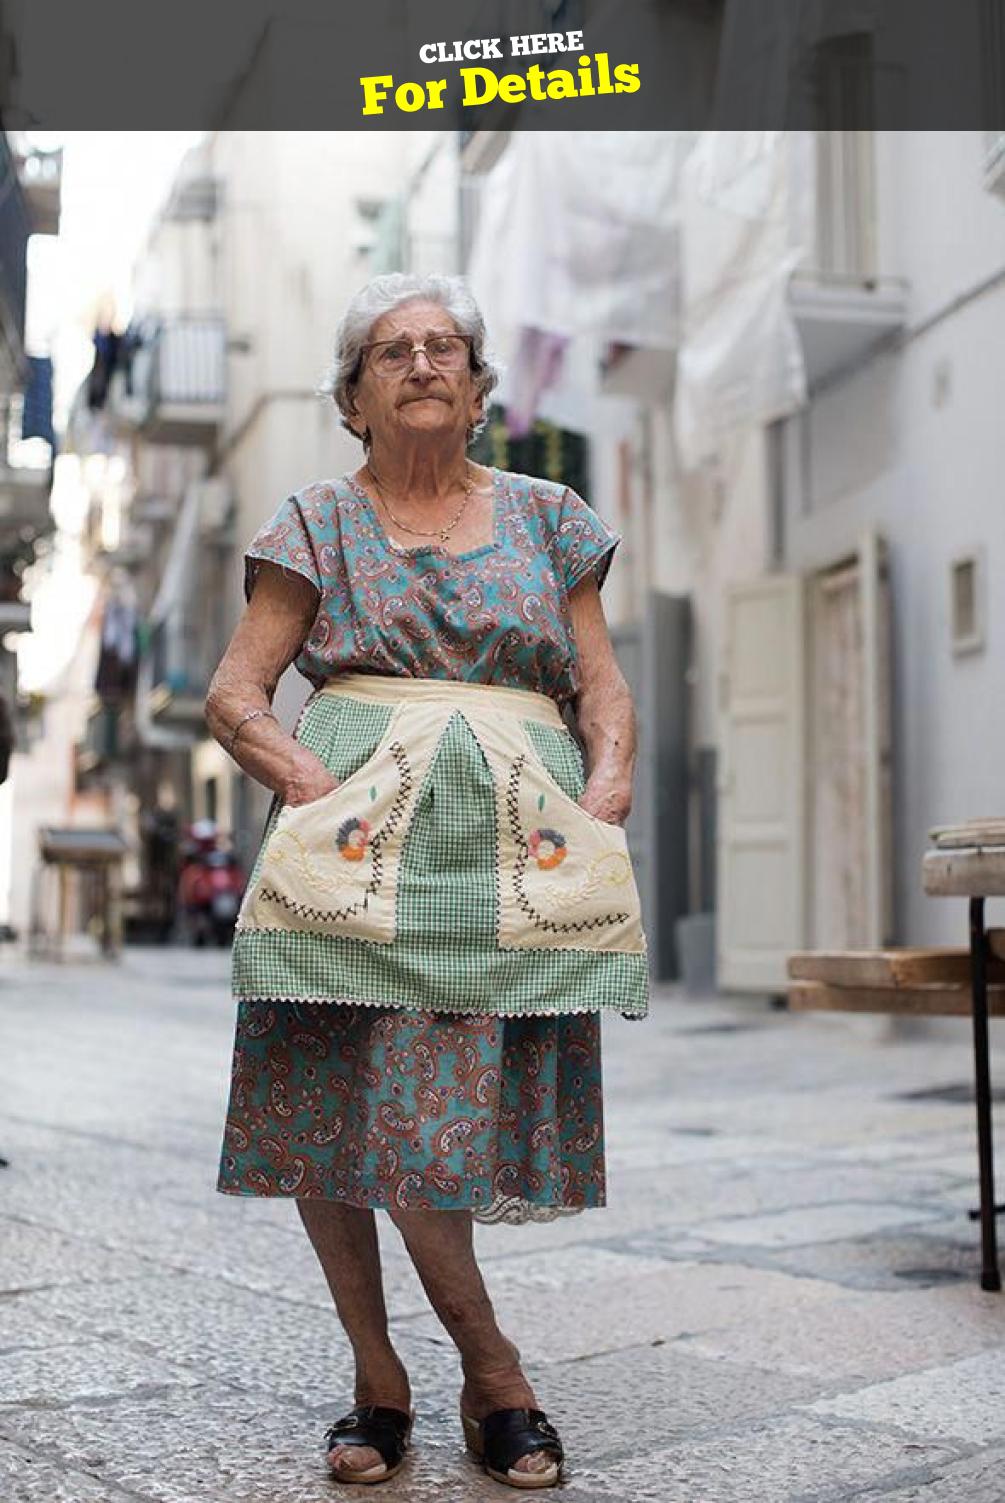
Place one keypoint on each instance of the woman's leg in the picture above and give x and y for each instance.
(441, 1245)
(345, 1240)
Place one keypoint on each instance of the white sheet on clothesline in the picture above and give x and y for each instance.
(740, 360)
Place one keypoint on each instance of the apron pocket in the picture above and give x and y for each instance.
(331, 866)
(566, 878)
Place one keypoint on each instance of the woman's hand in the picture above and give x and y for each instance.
(607, 797)
(605, 711)
(309, 779)
(267, 639)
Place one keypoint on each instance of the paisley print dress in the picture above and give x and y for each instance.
(498, 614)
(379, 1106)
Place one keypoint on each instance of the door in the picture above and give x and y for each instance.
(804, 849)
(762, 806)
(849, 754)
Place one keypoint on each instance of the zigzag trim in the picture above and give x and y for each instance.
(520, 866)
(394, 817)
(633, 1012)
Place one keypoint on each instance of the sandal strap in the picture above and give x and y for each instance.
(375, 1425)
(508, 1434)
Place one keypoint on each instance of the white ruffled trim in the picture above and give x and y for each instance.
(510, 1210)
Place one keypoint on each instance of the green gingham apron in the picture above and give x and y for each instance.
(451, 870)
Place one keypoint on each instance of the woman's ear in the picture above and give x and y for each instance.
(356, 423)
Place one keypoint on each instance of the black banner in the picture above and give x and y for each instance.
(513, 64)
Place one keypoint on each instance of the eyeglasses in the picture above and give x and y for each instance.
(445, 352)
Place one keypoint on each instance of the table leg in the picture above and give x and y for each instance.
(990, 1275)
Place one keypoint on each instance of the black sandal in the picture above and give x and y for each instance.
(502, 1437)
(387, 1430)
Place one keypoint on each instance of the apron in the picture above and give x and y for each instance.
(452, 810)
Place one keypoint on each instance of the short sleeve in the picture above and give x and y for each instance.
(584, 542)
(285, 540)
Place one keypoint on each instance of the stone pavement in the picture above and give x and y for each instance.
(779, 1304)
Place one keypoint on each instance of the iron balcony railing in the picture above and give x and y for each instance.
(190, 362)
(171, 383)
(177, 658)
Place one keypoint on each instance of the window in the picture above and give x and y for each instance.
(846, 205)
(967, 602)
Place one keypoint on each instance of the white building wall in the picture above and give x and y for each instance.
(914, 445)
(699, 533)
(432, 160)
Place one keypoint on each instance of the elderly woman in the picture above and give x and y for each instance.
(443, 903)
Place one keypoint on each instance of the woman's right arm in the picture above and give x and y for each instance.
(267, 639)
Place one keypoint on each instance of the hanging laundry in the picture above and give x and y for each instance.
(578, 238)
(36, 415)
(535, 368)
(106, 354)
(740, 361)
(118, 655)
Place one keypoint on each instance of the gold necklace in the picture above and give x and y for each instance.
(437, 532)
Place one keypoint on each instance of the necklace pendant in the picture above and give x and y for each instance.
(444, 534)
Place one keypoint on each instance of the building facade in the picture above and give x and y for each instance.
(211, 418)
(805, 468)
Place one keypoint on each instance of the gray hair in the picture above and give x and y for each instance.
(381, 296)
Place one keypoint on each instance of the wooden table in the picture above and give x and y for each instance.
(968, 861)
(97, 851)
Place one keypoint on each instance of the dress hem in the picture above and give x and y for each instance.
(507, 1210)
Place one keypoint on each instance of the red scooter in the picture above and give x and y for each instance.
(210, 886)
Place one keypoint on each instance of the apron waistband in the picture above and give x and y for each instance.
(491, 698)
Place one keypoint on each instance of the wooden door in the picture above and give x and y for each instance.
(762, 805)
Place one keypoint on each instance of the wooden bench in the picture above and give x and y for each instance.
(917, 983)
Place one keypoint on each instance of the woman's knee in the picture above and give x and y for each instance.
(418, 1224)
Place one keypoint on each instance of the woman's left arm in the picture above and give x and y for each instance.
(604, 710)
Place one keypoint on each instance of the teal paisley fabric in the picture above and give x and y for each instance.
(379, 1106)
(380, 1109)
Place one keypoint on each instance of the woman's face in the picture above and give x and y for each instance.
(422, 401)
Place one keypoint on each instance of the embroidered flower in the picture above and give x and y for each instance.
(548, 847)
(352, 837)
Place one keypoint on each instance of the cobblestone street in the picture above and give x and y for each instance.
(780, 1303)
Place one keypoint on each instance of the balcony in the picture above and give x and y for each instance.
(173, 390)
(24, 498)
(104, 741)
(646, 376)
(842, 308)
(179, 679)
(194, 197)
(15, 227)
(15, 615)
(40, 174)
(840, 323)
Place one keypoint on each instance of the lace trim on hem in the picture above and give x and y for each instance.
(635, 1014)
(505, 1210)
(510, 1210)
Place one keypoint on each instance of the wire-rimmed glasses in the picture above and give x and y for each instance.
(393, 357)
